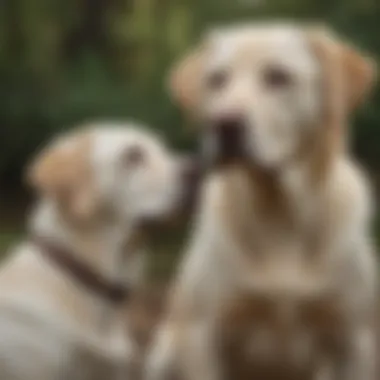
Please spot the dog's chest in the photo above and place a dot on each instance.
(279, 336)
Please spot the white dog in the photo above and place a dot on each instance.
(283, 227)
(62, 291)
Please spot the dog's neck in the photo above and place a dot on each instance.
(286, 199)
(107, 247)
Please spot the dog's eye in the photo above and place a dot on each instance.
(134, 155)
(217, 79)
(277, 77)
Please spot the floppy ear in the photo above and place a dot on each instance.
(346, 78)
(63, 173)
(361, 75)
(343, 63)
(185, 79)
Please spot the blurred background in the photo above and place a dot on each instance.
(67, 61)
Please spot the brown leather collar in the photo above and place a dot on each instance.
(113, 292)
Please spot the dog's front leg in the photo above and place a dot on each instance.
(199, 359)
(163, 355)
(357, 361)
(185, 344)
(184, 351)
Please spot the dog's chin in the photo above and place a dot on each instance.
(180, 210)
(153, 222)
(178, 215)
(221, 160)
(149, 225)
(215, 157)
(243, 159)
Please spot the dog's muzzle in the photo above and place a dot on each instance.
(225, 138)
(189, 180)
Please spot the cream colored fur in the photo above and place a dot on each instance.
(291, 223)
(93, 192)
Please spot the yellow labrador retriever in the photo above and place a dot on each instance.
(62, 291)
(282, 237)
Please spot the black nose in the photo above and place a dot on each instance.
(229, 134)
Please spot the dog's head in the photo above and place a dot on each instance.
(109, 171)
(261, 92)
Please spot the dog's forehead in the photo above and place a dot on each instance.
(110, 143)
(284, 44)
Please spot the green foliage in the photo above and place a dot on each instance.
(62, 62)
(65, 62)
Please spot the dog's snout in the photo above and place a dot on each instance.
(228, 124)
(229, 134)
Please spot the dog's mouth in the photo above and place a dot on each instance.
(189, 177)
(152, 224)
